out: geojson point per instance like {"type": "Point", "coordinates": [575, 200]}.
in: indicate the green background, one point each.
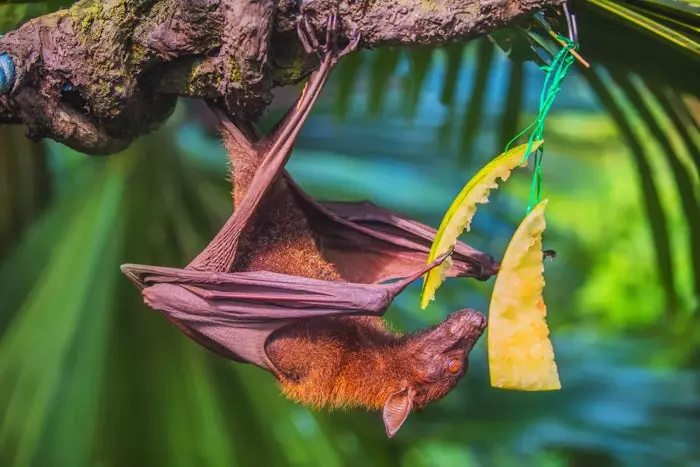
{"type": "Point", "coordinates": [89, 376]}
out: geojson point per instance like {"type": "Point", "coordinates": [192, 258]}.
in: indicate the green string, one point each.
{"type": "Point", "coordinates": [555, 74]}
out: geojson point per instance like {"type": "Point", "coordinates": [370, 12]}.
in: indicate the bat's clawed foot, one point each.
{"type": "Point", "coordinates": [329, 49]}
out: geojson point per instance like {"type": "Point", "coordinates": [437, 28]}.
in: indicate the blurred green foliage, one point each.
{"type": "Point", "coordinates": [91, 377]}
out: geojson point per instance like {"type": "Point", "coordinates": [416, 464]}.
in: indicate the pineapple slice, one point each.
{"type": "Point", "coordinates": [460, 214]}
{"type": "Point", "coordinates": [521, 355]}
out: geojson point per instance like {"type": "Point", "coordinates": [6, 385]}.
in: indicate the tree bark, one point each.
{"type": "Point", "coordinates": [101, 73]}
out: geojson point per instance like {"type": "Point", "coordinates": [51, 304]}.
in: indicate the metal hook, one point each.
{"type": "Point", "coordinates": [570, 23]}
{"type": "Point", "coordinates": [572, 32]}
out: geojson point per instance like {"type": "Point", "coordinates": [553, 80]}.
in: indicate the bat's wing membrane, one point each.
{"type": "Point", "coordinates": [369, 244]}
{"type": "Point", "coordinates": [234, 313]}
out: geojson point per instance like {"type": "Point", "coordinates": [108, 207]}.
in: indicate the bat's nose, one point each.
{"type": "Point", "coordinates": [467, 321]}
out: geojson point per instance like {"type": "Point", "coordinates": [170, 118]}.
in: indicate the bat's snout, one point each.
{"type": "Point", "coordinates": [465, 327]}
{"type": "Point", "coordinates": [467, 321]}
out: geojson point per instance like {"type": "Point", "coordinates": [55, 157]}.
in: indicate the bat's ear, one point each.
{"type": "Point", "coordinates": [396, 410]}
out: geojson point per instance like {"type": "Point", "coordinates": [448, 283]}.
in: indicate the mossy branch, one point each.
{"type": "Point", "coordinates": [99, 74]}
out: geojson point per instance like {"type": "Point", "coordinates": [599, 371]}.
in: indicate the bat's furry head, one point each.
{"type": "Point", "coordinates": [435, 361]}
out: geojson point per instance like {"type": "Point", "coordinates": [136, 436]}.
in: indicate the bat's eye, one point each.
{"type": "Point", "coordinates": [454, 366]}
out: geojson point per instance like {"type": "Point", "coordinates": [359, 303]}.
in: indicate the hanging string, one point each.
{"type": "Point", "coordinates": [555, 73]}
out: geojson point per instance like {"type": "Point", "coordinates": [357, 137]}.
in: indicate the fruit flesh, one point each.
{"type": "Point", "coordinates": [521, 355]}
{"type": "Point", "coordinates": [460, 214]}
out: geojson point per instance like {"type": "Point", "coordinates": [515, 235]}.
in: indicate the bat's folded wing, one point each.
{"type": "Point", "coordinates": [370, 244]}
{"type": "Point", "coordinates": [234, 313]}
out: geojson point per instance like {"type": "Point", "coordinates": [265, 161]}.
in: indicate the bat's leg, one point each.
{"type": "Point", "coordinates": [238, 137]}
{"type": "Point", "coordinates": [276, 147]}
{"type": "Point", "coordinates": [286, 130]}
{"type": "Point", "coordinates": [241, 141]}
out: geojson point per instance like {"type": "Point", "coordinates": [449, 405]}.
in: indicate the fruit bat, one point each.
{"type": "Point", "coordinates": [298, 287]}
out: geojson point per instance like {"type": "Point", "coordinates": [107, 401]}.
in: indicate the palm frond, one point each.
{"type": "Point", "coordinates": [25, 184]}
{"type": "Point", "coordinates": [686, 177]}
{"type": "Point", "coordinates": [673, 22]}
{"type": "Point", "coordinates": [89, 376]}
{"type": "Point", "coordinates": [16, 13]}
{"type": "Point", "coordinates": [35, 352]}
{"type": "Point", "coordinates": [381, 71]}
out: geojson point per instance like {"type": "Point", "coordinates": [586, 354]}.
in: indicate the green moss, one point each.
{"type": "Point", "coordinates": [86, 13]}
{"type": "Point", "coordinates": [91, 15]}
{"type": "Point", "coordinates": [200, 82]}
{"type": "Point", "coordinates": [118, 13]}
{"type": "Point", "coordinates": [193, 79]}
{"type": "Point", "coordinates": [430, 5]}
{"type": "Point", "coordinates": [291, 73]}
{"type": "Point", "coordinates": [88, 19]}
{"type": "Point", "coordinates": [138, 53]}
{"type": "Point", "coordinates": [235, 73]}
{"type": "Point", "coordinates": [103, 87]}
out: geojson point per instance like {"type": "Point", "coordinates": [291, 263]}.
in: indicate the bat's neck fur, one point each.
{"type": "Point", "coordinates": [325, 362]}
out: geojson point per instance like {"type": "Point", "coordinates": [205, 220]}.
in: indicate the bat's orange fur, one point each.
{"type": "Point", "coordinates": [341, 362]}
{"type": "Point", "coordinates": [331, 361]}
{"type": "Point", "coordinates": [347, 361]}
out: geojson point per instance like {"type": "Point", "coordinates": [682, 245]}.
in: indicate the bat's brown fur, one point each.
{"type": "Point", "coordinates": [279, 238]}
{"type": "Point", "coordinates": [325, 362]}
{"type": "Point", "coordinates": [339, 362]}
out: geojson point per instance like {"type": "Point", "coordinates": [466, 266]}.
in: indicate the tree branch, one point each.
{"type": "Point", "coordinates": [99, 74]}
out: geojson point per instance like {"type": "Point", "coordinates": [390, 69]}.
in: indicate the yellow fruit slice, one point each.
{"type": "Point", "coordinates": [459, 215]}
{"type": "Point", "coordinates": [521, 355]}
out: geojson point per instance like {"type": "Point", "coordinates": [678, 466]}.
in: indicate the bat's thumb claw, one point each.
{"type": "Point", "coordinates": [424, 269]}
{"type": "Point", "coordinates": [129, 271]}
{"type": "Point", "coordinates": [443, 256]}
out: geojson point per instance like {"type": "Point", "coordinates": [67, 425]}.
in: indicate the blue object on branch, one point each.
{"type": "Point", "coordinates": [7, 73]}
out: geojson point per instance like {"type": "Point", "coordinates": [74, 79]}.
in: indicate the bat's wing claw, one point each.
{"type": "Point", "coordinates": [443, 256]}
{"type": "Point", "coordinates": [132, 273]}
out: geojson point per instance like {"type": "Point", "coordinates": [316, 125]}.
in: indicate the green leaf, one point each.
{"type": "Point", "coordinates": [656, 216]}
{"type": "Point", "coordinates": [35, 349]}
{"type": "Point", "coordinates": [382, 67]}
{"type": "Point", "coordinates": [510, 117]}
{"type": "Point", "coordinates": [674, 33]}
{"type": "Point", "coordinates": [14, 14]}
{"type": "Point", "coordinates": [686, 187]}
{"type": "Point", "coordinates": [517, 45]}
{"type": "Point", "coordinates": [474, 113]}
{"type": "Point", "coordinates": [420, 58]}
